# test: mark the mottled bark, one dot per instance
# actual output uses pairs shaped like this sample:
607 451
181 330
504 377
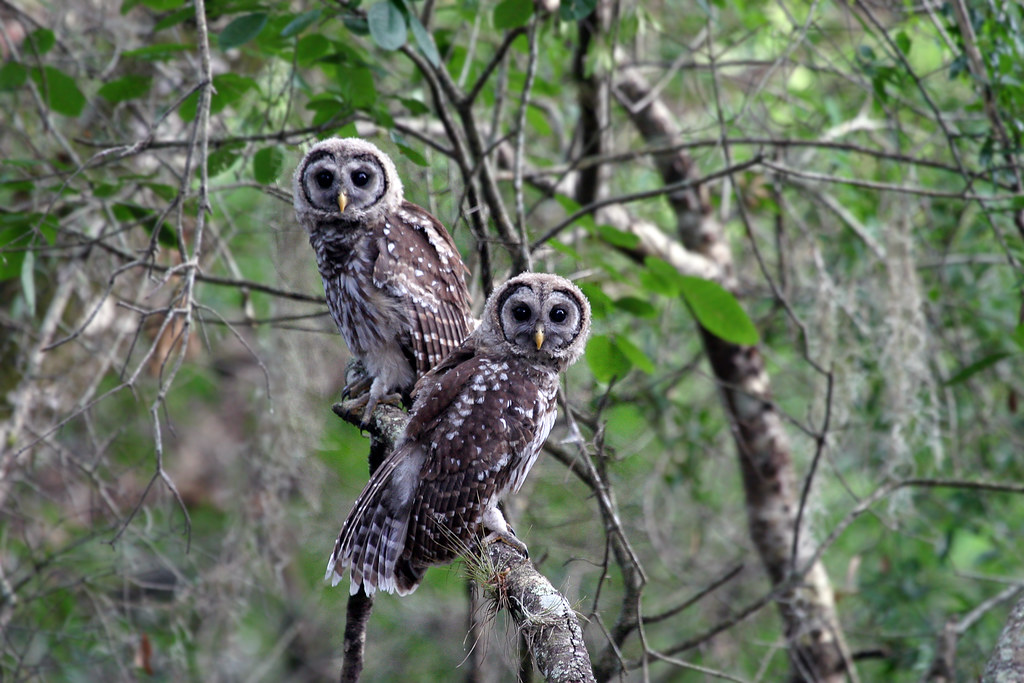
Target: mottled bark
386 426
817 649
1007 661
543 615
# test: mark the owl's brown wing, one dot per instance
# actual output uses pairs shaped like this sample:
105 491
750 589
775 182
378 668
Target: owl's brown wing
481 429
423 504
419 262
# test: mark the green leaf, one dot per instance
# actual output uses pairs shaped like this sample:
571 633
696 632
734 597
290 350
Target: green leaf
41 40
356 24
105 190
408 152
12 75
329 108
301 23
125 88
242 30
866 53
163 5
387 25
162 190
635 355
605 359
174 18
903 42
574 10
538 120
412 155
571 206
17 185
636 306
512 13
618 238
47 226
62 94
563 249
976 367
349 130
424 41
15 231
968 549
382 117
267 163
311 47
167 236
661 277
223 158
28 280
415 107
1018 336
230 87
718 311
356 86
600 303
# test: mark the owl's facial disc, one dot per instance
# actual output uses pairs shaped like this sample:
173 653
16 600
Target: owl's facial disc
343 184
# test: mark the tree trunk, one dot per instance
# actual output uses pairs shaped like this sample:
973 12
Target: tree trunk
817 648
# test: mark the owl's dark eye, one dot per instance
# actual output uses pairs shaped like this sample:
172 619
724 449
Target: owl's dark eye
324 179
558 314
521 313
360 178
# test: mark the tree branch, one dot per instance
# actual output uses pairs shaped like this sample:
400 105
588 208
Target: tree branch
544 617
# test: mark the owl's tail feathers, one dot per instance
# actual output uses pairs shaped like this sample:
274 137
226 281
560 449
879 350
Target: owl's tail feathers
373 537
370 548
408 577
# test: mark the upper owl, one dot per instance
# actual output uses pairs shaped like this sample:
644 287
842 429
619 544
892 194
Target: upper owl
478 424
393 277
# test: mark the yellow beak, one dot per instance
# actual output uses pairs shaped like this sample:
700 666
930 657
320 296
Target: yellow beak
342 201
538 337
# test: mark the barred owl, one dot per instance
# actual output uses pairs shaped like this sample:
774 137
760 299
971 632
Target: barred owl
476 427
392 275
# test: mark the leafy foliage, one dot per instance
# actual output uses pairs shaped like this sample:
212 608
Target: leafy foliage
171 477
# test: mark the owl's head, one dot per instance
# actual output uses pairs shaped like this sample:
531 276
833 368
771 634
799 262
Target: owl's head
539 316
345 179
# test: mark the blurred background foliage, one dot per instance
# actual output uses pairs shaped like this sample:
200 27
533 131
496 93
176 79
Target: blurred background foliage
171 474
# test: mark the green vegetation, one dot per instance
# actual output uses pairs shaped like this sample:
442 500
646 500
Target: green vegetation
843 190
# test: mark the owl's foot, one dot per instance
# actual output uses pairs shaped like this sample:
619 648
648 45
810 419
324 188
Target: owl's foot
500 530
371 404
357 387
509 539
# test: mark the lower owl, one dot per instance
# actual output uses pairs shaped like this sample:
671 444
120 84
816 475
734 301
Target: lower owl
479 421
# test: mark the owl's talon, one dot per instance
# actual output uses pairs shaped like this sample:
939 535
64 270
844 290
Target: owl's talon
371 405
356 388
508 539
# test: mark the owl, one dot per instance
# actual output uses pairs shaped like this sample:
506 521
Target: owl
475 429
393 278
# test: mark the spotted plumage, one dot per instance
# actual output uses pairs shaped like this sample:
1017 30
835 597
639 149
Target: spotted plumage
478 423
393 277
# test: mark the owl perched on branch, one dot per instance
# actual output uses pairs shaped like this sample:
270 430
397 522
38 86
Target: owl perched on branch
477 425
393 278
